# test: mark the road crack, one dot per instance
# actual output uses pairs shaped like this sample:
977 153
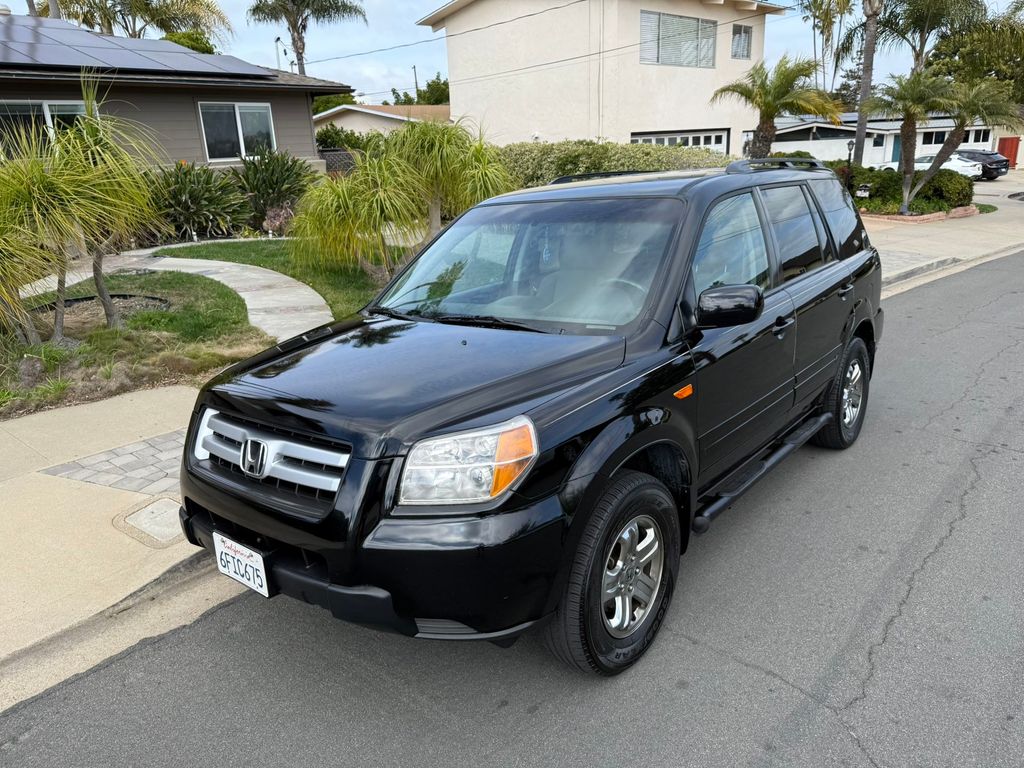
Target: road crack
836 712
911 582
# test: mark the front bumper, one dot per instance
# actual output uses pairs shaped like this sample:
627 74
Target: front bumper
480 578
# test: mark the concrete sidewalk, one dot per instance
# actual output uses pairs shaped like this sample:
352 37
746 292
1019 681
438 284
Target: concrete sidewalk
88 509
913 249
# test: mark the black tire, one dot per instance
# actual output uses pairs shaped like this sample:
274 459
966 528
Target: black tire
838 434
578 634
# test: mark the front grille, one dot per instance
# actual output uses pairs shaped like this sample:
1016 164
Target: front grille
279 460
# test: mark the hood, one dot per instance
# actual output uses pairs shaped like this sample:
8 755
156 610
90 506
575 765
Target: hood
378 384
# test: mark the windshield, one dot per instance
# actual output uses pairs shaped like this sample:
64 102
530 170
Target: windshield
583 266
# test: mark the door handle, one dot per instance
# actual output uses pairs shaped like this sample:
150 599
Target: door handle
781 324
845 290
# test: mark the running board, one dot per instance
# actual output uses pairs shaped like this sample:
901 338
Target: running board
728 495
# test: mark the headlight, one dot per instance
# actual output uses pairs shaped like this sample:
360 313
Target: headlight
469 467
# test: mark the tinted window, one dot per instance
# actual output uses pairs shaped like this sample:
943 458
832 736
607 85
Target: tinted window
841 216
588 266
221 131
795 233
731 250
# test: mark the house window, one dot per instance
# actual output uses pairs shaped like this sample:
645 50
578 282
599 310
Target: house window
715 140
742 39
680 41
878 140
982 135
38 114
232 131
934 137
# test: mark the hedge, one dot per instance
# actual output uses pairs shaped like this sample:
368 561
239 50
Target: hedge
533 164
946 189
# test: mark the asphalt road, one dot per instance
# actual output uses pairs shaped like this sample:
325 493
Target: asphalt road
856 609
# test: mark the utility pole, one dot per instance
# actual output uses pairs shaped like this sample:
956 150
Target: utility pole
416 80
278 47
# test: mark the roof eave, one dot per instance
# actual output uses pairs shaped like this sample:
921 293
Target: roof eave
177 82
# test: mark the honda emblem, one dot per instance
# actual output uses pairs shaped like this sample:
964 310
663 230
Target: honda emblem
254 458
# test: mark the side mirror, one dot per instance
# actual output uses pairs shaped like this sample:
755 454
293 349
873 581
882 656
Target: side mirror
729 305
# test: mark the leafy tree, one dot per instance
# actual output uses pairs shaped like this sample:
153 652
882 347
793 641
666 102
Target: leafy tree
847 92
332 100
993 49
911 98
784 90
332 136
195 39
987 101
403 98
827 18
134 18
434 92
297 15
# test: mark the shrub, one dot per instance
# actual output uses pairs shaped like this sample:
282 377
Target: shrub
272 180
198 202
946 190
333 137
801 153
533 164
948 187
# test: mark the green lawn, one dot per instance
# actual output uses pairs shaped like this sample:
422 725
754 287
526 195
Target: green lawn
197 328
986 208
345 289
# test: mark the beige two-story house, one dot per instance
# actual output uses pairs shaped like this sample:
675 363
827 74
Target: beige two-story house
621 70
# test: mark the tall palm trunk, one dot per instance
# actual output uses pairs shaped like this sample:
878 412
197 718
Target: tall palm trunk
31 8
298 47
764 135
54 7
866 79
908 149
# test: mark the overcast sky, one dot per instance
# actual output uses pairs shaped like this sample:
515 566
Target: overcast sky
393 22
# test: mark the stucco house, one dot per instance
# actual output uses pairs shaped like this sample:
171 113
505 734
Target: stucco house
827 141
383 118
621 70
201 108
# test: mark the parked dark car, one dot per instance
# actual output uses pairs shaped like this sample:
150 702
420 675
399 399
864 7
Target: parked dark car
527 425
993 164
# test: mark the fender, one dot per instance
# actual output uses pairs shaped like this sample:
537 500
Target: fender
621 440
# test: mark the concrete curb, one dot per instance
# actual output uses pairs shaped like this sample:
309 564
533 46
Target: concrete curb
940 264
195 565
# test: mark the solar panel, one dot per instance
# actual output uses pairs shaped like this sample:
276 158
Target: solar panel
54 55
11 56
40 42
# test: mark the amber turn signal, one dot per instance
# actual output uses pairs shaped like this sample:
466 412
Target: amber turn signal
684 393
516 450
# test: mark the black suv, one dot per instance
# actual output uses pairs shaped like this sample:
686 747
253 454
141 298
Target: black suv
527 424
993 164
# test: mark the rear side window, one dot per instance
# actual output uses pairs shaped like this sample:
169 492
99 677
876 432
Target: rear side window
731 250
841 216
790 218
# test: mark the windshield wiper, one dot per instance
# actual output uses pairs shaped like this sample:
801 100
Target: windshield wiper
484 321
377 309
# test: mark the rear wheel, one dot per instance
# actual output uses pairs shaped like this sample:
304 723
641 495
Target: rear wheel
622 578
847 399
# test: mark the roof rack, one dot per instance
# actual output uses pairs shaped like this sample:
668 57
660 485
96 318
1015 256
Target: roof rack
748 166
598 175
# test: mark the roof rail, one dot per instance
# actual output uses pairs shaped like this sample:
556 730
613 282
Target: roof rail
598 175
747 166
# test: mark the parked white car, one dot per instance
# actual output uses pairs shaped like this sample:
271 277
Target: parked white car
961 165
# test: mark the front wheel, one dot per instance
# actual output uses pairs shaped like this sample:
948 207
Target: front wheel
622 578
847 399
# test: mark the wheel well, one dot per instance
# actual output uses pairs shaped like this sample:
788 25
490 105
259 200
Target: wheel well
666 462
866 333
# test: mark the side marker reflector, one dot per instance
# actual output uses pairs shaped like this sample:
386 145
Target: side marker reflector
684 393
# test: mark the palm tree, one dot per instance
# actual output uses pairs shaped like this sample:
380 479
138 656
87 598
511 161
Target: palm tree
784 90
400 187
988 102
75 192
872 10
911 98
297 14
133 18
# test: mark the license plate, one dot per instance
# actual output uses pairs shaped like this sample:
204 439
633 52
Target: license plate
242 564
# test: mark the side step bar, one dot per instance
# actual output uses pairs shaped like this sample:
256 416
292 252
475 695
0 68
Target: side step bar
732 492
